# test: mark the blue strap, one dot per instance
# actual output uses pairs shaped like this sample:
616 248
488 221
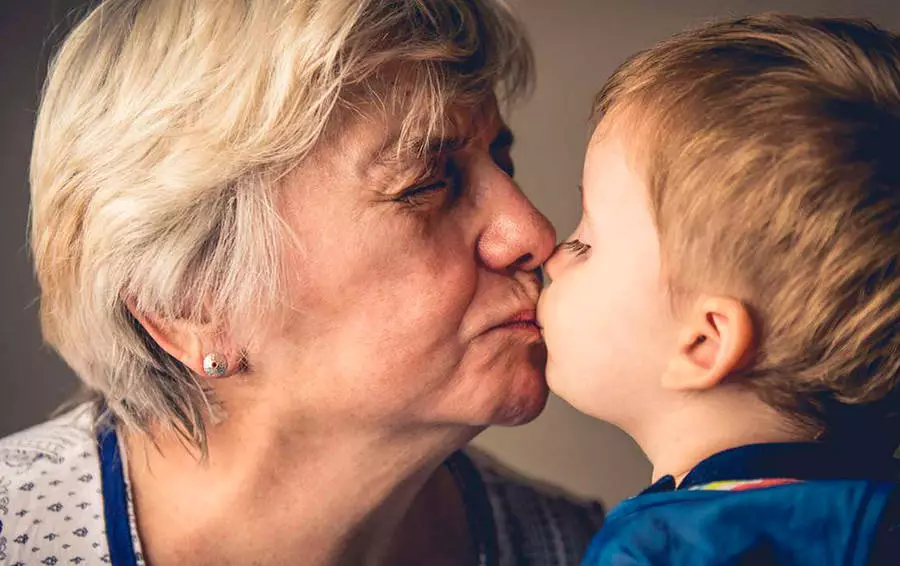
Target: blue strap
479 513
115 501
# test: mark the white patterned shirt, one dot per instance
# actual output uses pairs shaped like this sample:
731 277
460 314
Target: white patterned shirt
52 504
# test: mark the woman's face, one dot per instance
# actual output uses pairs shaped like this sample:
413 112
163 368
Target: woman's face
413 283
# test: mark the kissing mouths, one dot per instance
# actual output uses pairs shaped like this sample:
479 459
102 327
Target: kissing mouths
522 320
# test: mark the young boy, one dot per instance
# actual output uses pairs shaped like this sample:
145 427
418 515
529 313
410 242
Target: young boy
731 297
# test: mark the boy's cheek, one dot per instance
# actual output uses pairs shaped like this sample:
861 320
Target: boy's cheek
551 311
561 315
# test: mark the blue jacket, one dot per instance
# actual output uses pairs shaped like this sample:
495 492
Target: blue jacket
803 504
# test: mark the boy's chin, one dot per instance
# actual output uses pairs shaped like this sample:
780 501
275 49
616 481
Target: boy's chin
556 379
566 387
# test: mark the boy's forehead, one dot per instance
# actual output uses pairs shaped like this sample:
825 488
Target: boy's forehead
612 172
624 122
636 139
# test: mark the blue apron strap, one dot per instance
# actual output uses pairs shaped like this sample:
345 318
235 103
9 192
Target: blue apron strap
479 513
115 500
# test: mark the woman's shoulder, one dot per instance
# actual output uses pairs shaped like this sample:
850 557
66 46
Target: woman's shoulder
535 524
51 509
51 440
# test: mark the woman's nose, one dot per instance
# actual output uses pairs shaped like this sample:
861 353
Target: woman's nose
517 236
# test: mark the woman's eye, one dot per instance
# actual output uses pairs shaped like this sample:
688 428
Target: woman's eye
417 196
432 190
576 247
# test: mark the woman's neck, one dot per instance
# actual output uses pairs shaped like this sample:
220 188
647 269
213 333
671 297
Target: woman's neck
265 496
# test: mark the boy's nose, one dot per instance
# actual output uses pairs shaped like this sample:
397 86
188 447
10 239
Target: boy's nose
552 265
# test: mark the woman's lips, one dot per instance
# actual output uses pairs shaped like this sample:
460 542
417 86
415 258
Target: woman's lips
524 320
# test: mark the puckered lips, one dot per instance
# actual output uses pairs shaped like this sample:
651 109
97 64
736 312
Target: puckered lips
525 319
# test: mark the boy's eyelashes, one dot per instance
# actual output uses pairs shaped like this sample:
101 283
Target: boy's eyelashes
576 247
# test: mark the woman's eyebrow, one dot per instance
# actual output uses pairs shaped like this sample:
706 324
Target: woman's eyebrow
398 154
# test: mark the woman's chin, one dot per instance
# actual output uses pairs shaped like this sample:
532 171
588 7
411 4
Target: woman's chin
503 386
524 409
526 395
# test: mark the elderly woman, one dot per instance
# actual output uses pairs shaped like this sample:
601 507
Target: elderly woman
280 243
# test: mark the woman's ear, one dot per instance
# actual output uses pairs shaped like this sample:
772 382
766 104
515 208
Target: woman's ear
716 340
196 346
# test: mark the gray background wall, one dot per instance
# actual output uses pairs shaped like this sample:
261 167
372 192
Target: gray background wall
578 43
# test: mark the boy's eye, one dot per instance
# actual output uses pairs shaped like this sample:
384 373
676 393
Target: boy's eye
576 247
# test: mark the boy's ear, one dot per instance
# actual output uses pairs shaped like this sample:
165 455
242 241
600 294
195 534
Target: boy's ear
716 339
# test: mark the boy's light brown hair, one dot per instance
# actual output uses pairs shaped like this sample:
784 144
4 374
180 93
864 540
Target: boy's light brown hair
771 149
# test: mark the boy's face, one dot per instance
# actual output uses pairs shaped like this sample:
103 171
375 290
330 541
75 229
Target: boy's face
606 318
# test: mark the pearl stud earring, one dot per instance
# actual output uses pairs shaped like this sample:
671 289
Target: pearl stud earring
215 364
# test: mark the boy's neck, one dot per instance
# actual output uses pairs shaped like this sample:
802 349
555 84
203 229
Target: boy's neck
700 426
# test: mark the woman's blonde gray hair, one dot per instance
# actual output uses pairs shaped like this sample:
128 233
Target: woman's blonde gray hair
164 128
